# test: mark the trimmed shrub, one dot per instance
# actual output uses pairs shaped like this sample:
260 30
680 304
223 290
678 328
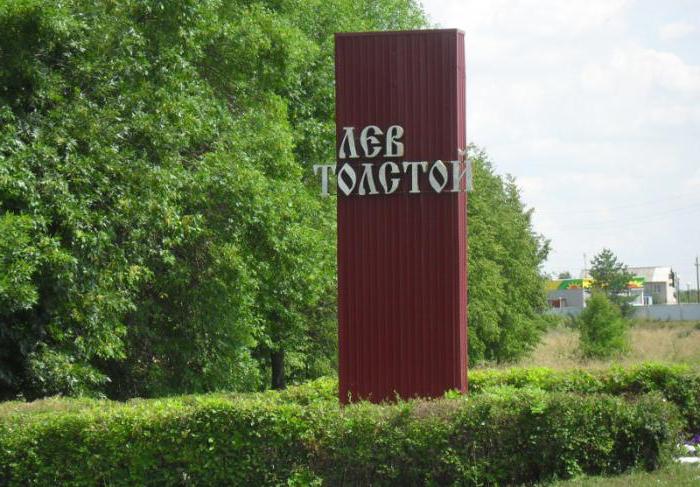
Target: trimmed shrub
602 329
678 384
503 435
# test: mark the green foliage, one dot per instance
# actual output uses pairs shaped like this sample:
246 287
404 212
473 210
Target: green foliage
52 372
504 436
160 226
676 383
159 230
688 296
506 287
611 277
603 332
608 273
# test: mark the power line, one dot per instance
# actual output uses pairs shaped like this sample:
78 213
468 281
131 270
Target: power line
622 222
609 208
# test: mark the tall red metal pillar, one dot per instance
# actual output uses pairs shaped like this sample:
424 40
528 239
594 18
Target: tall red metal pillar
402 257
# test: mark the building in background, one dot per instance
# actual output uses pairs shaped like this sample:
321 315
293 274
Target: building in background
650 285
659 284
568 293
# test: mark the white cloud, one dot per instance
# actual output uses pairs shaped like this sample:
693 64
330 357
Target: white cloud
649 68
657 87
532 17
531 186
597 183
675 30
674 114
589 114
694 181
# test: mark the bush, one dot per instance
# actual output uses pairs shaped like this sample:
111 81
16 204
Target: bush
500 436
603 331
676 383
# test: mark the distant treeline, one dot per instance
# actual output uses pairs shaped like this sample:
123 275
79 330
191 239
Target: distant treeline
690 296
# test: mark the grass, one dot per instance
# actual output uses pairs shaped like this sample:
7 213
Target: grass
673 475
657 341
650 341
671 342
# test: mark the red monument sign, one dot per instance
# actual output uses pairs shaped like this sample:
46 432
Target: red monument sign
402 253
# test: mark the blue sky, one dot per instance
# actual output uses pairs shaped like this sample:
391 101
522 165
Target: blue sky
594 107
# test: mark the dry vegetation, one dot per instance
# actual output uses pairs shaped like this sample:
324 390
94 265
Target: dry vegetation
658 341
672 476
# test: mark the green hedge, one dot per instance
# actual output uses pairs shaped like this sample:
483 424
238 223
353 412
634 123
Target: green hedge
301 437
678 384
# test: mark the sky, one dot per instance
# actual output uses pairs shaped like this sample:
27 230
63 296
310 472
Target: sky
594 107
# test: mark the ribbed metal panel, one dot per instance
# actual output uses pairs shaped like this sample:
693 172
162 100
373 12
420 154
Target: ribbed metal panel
402 258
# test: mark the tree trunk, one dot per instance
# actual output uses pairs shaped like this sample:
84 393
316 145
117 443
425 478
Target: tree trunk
277 359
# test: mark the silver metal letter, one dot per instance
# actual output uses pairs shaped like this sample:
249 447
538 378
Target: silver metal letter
349 139
442 169
324 175
470 175
369 177
457 176
393 169
415 188
394 148
369 141
346 169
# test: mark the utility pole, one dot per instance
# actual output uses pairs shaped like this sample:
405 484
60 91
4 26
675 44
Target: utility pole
697 278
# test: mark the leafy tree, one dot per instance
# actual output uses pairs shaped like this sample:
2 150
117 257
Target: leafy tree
688 296
564 275
160 225
160 229
309 346
611 277
506 285
602 329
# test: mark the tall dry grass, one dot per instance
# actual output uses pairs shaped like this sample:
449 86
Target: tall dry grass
674 342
